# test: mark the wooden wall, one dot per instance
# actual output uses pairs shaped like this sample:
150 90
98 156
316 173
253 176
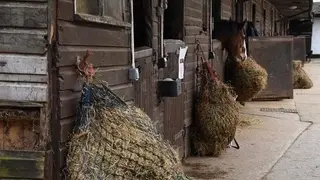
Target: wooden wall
23 32
227 9
24 92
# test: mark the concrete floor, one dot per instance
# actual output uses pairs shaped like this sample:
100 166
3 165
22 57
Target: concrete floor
274 145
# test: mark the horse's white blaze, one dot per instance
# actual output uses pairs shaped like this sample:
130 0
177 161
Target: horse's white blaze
244 55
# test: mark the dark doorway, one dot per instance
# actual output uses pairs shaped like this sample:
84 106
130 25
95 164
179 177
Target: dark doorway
173 20
239 11
271 23
264 21
216 10
142 11
254 13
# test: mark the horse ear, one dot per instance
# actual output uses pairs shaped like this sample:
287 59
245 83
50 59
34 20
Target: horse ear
243 24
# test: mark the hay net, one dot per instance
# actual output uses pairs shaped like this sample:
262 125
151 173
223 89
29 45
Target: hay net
216 112
113 140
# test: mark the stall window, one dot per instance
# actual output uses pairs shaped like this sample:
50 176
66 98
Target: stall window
253 15
216 10
142 12
173 20
103 11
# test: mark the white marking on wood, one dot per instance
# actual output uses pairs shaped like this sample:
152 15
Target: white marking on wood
23 64
15 91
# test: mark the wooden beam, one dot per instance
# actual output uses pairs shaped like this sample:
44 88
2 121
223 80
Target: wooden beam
289 17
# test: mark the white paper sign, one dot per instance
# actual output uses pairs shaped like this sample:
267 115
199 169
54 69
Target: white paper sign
181 59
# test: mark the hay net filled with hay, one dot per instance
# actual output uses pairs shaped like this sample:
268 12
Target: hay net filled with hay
112 140
301 80
247 78
217 114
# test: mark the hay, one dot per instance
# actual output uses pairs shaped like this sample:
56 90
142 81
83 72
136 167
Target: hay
247 121
217 115
116 141
248 79
301 79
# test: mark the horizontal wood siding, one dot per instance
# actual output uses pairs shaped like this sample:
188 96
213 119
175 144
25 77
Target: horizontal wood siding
226 9
24 78
26 15
111 56
23 69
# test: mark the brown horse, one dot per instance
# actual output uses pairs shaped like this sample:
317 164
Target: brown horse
233 39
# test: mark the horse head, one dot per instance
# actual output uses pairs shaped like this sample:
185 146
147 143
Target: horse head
232 36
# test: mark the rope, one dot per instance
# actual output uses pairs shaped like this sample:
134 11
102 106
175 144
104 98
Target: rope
200 53
85 68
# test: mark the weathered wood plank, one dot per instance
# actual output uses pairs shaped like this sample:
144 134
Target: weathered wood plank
22 164
31 15
70 79
201 38
69 102
191 21
70 34
65 10
18 64
24 78
193 4
20 104
196 13
193 30
66 126
101 56
14 91
22 41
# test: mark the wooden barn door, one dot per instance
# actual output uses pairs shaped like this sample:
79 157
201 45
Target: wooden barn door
174 122
145 87
174 126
